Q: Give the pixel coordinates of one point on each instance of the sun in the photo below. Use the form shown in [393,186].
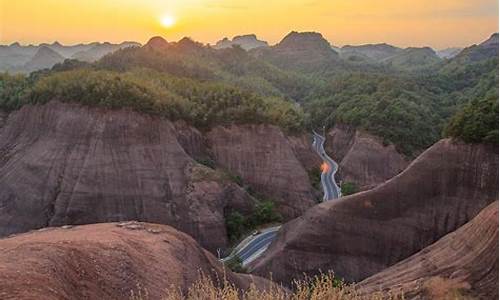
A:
[167,21]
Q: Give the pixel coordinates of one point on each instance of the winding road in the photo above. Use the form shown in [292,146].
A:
[329,168]
[254,245]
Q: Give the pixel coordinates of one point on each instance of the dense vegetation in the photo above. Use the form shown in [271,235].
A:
[237,225]
[477,122]
[202,104]
[408,100]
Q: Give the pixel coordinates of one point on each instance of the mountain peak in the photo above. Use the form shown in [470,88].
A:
[157,42]
[305,41]
[246,41]
[492,41]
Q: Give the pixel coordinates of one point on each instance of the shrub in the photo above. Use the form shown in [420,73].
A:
[349,188]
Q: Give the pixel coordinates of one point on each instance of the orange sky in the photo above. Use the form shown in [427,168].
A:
[436,23]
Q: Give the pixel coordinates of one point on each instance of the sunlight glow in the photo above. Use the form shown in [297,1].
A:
[167,21]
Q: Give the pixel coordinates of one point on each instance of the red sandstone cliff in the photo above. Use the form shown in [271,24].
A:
[360,235]
[463,263]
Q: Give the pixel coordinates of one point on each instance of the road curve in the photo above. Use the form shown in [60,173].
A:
[251,247]
[330,188]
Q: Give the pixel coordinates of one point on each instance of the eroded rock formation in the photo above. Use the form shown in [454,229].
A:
[463,263]
[362,234]
[262,156]
[107,261]
[363,159]
[69,164]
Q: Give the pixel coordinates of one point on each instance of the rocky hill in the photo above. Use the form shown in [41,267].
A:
[363,159]
[363,234]
[83,165]
[463,263]
[68,164]
[301,51]
[44,58]
[107,261]
[247,42]
[375,52]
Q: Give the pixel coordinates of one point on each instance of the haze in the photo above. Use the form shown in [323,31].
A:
[439,24]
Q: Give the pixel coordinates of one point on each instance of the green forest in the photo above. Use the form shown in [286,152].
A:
[411,103]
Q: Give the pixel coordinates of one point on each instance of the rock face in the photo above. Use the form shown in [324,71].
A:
[68,164]
[262,156]
[365,233]
[362,157]
[464,261]
[106,261]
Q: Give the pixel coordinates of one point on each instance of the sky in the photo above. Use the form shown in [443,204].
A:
[435,23]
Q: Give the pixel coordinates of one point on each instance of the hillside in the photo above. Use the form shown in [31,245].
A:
[463,263]
[108,261]
[361,235]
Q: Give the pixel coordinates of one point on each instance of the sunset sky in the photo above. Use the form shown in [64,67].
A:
[436,23]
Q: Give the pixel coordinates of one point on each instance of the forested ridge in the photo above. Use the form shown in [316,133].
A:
[411,99]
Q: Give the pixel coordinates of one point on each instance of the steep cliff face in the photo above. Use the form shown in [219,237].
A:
[464,261]
[68,164]
[363,159]
[365,233]
[107,261]
[262,156]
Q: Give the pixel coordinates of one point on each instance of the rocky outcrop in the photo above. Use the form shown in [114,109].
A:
[303,51]
[262,156]
[464,262]
[362,234]
[191,140]
[302,147]
[247,42]
[156,43]
[363,158]
[107,261]
[69,164]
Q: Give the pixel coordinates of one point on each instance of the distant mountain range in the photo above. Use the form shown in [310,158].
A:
[24,59]
[296,50]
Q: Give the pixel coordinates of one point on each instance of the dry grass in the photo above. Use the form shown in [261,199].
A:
[322,287]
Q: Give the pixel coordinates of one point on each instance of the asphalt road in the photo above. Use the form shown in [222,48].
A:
[330,188]
[250,248]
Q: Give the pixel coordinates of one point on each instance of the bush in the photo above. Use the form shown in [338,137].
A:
[238,225]
[315,177]
[349,188]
